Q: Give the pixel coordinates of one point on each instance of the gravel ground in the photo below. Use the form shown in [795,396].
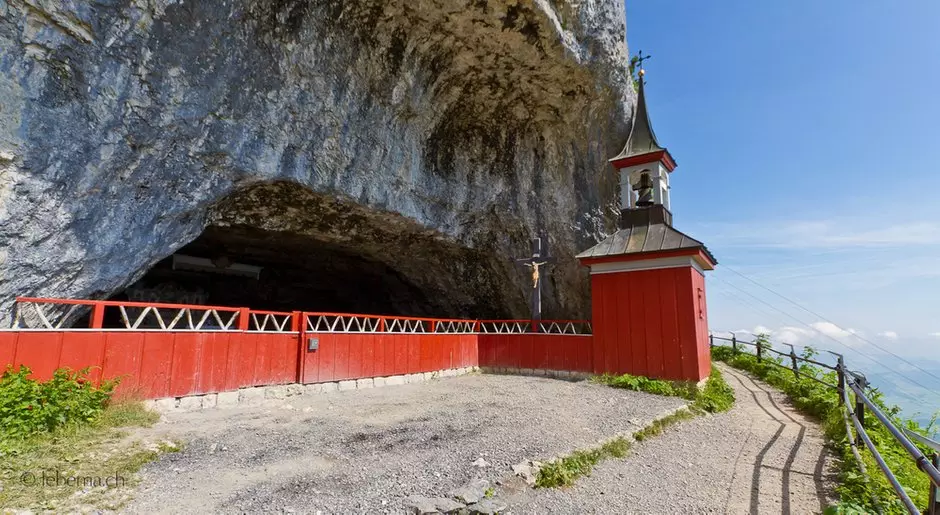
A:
[760,457]
[368,450]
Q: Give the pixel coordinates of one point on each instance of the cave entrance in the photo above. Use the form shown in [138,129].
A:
[282,247]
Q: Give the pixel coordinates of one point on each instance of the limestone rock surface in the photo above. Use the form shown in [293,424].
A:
[433,137]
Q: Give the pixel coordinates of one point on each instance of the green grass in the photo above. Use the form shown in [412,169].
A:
[855,491]
[96,451]
[62,447]
[656,428]
[565,471]
[715,396]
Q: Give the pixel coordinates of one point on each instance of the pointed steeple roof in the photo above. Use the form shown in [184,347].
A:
[642,139]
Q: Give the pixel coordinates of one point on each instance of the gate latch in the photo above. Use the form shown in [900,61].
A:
[313,344]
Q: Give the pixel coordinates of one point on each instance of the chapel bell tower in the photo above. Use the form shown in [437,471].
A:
[648,279]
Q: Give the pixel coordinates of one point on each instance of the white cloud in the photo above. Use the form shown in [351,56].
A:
[891,335]
[818,333]
[832,330]
[935,335]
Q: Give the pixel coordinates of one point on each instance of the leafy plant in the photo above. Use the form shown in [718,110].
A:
[565,471]
[29,407]
[715,396]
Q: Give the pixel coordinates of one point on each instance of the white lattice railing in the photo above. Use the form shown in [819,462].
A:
[268,321]
[580,327]
[60,314]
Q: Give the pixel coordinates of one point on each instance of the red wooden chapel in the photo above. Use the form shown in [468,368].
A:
[648,279]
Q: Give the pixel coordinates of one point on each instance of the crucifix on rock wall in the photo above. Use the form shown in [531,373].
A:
[535,263]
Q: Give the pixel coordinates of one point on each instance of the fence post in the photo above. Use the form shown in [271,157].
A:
[795,363]
[934,507]
[244,321]
[760,350]
[734,343]
[97,315]
[860,415]
[711,341]
[840,370]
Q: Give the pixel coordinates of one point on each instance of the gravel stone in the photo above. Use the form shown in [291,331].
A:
[488,507]
[472,492]
[367,451]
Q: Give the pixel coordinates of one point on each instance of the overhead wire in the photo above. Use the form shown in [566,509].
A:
[815,330]
[825,319]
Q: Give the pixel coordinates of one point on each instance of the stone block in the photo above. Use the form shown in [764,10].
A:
[210,400]
[165,405]
[379,382]
[227,399]
[275,392]
[251,396]
[347,385]
[429,375]
[294,390]
[191,403]
[312,389]
[362,384]
[329,387]
[395,380]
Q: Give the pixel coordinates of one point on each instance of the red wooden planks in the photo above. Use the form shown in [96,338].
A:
[155,365]
[122,357]
[40,351]
[81,350]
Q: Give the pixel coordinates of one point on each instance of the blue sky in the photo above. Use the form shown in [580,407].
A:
[807,135]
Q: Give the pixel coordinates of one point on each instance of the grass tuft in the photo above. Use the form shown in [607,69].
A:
[565,471]
[716,396]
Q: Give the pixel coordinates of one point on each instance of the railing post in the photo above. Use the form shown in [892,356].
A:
[243,319]
[711,341]
[860,415]
[795,363]
[734,343]
[97,315]
[840,370]
[934,507]
[760,350]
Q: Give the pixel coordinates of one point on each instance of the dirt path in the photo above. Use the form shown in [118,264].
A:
[760,457]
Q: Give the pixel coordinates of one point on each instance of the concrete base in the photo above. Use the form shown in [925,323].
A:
[257,395]
[537,372]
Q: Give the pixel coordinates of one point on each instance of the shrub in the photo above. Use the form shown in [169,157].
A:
[715,397]
[29,407]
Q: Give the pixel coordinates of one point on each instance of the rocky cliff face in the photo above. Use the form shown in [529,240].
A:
[428,138]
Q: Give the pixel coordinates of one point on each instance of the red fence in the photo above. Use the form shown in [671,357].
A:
[155,364]
[172,350]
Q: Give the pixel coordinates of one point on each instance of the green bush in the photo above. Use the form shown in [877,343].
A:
[29,407]
[715,397]
[856,491]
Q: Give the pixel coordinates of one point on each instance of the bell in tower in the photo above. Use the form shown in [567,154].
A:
[644,190]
